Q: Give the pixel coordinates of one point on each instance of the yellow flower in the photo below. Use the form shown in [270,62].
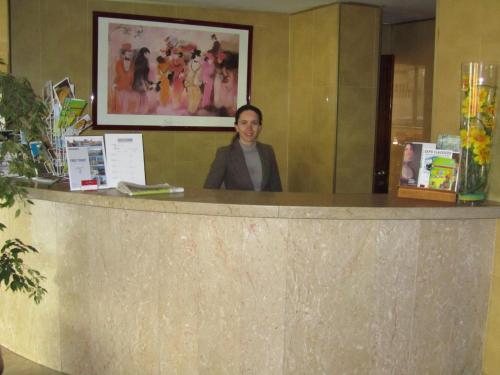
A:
[466,140]
[482,155]
[479,137]
[483,95]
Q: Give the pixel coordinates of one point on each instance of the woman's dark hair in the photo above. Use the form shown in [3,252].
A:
[248,107]
[243,108]
[195,53]
[143,51]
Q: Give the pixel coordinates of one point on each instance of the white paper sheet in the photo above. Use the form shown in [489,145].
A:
[125,158]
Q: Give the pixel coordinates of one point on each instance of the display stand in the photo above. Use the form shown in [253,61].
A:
[56,142]
[62,121]
[428,194]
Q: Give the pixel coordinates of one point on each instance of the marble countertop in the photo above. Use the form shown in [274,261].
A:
[272,205]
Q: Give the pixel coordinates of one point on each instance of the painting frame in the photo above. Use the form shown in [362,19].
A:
[134,103]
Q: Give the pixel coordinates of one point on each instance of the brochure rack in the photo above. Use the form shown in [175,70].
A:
[57,145]
[62,120]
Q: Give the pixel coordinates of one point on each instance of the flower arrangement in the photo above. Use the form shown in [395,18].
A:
[477,115]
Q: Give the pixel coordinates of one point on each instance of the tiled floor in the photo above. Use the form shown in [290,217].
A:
[17,365]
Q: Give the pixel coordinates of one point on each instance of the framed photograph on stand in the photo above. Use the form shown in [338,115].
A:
[162,73]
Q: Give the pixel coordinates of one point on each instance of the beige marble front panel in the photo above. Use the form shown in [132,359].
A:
[171,293]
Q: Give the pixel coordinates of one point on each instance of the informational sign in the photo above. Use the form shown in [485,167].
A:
[125,159]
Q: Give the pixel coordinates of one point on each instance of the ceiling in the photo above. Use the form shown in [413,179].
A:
[394,11]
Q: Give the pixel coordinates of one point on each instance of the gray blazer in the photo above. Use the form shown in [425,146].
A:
[229,167]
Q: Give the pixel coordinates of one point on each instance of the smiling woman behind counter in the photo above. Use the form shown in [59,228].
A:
[245,164]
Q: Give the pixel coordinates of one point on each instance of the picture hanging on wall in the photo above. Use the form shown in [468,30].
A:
[172,74]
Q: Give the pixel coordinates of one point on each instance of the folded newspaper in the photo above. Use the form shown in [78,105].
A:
[132,189]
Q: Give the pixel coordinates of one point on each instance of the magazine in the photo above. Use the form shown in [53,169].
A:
[132,189]
[411,162]
[443,174]
[426,161]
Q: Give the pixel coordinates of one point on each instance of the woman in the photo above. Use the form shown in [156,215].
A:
[207,75]
[245,164]
[162,69]
[408,174]
[141,82]
[193,82]
[177,67]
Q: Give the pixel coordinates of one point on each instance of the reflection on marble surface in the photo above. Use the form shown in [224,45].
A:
[135,291]
[272,205]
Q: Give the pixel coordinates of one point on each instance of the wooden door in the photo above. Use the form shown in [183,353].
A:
[383,127]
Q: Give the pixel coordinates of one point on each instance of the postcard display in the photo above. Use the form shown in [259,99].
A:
[430,170]
[64,119]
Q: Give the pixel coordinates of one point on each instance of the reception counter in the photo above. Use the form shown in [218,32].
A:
[218,282]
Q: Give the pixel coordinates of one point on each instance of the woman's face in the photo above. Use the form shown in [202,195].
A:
[408,153]
[248,127]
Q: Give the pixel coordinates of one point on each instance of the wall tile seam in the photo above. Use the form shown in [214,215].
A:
[55,209]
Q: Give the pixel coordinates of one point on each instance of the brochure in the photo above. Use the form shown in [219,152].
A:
[42,157]
[62,90]
[86,162]
[443,174]
[71,110]
[4,166]
[449,142]
[426,161]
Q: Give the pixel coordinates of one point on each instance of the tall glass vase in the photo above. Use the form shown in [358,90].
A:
[477,123]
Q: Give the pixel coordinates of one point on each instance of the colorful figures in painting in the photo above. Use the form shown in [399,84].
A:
[181,80]
[122,84]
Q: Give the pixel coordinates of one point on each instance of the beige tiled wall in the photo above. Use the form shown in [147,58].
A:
[357,97]
[4,35]
[313,99]
[413,44]
[47,46]
[468,30]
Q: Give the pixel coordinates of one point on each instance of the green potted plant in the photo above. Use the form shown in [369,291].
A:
[21,112]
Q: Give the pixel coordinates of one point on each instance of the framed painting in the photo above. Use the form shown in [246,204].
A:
[162,73]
